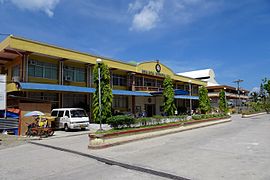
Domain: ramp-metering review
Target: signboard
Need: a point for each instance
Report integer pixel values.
(152, 73)
(3, 92)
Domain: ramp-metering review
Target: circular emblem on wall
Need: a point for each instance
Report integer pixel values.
(149, 100)
(158, 67)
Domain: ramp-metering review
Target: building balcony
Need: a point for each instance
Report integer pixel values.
(147, 88)
(228, 95)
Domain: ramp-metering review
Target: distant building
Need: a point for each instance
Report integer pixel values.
(232, 94)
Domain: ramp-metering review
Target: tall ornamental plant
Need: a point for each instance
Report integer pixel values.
(168, 94)
(266, 99)
(223, 102)
(106, 93)
(204, 101)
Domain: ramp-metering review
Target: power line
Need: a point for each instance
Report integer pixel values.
(238, 89)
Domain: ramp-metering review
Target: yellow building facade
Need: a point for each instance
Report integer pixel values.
(64, 77)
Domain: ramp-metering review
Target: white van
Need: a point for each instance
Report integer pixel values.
(70, 118)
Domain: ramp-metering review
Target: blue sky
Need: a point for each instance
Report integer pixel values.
(232, 37)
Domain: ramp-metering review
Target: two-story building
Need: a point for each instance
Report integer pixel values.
(64, 77)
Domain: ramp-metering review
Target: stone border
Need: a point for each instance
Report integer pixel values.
(252, 115)
(98, 141)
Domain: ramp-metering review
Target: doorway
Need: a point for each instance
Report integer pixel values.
(150, 110)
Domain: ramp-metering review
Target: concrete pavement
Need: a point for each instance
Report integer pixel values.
(236, 150)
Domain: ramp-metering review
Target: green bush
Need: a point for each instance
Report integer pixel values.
(207, 116)
(120, 121)
(196, 117)
(143, 120)
(158, 118)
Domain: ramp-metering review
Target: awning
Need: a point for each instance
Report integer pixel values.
(55, 87)
(130, 93)
(186, 97)
(176, 92)
(65, 88)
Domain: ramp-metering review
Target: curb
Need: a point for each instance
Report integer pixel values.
(252, 115)
(159, 133)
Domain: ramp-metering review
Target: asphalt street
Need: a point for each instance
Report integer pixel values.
(236, 150)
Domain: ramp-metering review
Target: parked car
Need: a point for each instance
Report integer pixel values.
(70, 118)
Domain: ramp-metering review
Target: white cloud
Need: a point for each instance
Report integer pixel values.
(137, 5)
(147, 16)
(255, 89)
(46, 6)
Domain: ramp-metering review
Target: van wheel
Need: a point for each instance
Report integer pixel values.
(66, 128)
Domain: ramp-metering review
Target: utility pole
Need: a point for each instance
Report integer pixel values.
(238, 89)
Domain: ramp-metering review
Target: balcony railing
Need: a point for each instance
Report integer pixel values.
(147, 88)
(231, 95)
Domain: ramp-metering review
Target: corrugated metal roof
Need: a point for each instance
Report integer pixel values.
(65, 88)
(130, 93)
(186, 97)
(55, 87)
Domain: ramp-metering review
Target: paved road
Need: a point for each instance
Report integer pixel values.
(236, 150)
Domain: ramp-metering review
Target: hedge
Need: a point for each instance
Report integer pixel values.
(207, 116)
(120, 121)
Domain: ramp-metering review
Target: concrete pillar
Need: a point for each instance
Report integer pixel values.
(61, 72)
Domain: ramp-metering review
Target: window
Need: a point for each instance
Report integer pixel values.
(149, 82)
(182, 87)
(52, 97)
(54, 113)
(42, 69)
(75, 74)
(60, 114)
(119, 80)
(195, 90)
(67, 113)
(159, 83)
(74, 100)
(120, 102)
(78, 113)
(16, 71)
(138, 81)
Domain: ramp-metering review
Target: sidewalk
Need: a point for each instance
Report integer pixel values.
(91, 129)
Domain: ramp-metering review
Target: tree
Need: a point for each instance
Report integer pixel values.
(266, 99)
(223, 102)
(262, 91)
(266, 85)
(106, 93)
(255, 96)
(168, 94)
(204, 101)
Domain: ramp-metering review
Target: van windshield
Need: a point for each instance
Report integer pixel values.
(78, 113)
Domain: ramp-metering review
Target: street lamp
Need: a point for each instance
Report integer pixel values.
(238, 90)
(99, 61)
(225, 97)
(190, 100)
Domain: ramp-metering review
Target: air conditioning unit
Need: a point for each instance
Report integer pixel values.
(67, 78)
(15, 79)
(32, 62)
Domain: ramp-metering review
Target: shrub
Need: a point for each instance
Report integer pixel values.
(143, 120)
(196, 117)
(120, 121)
(208, 116)
(158, 118)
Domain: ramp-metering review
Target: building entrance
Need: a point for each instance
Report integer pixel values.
(150, 110)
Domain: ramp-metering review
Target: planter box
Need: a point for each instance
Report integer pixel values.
(252, 115)
(108, 139)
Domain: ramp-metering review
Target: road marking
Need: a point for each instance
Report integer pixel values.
(111, 162)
